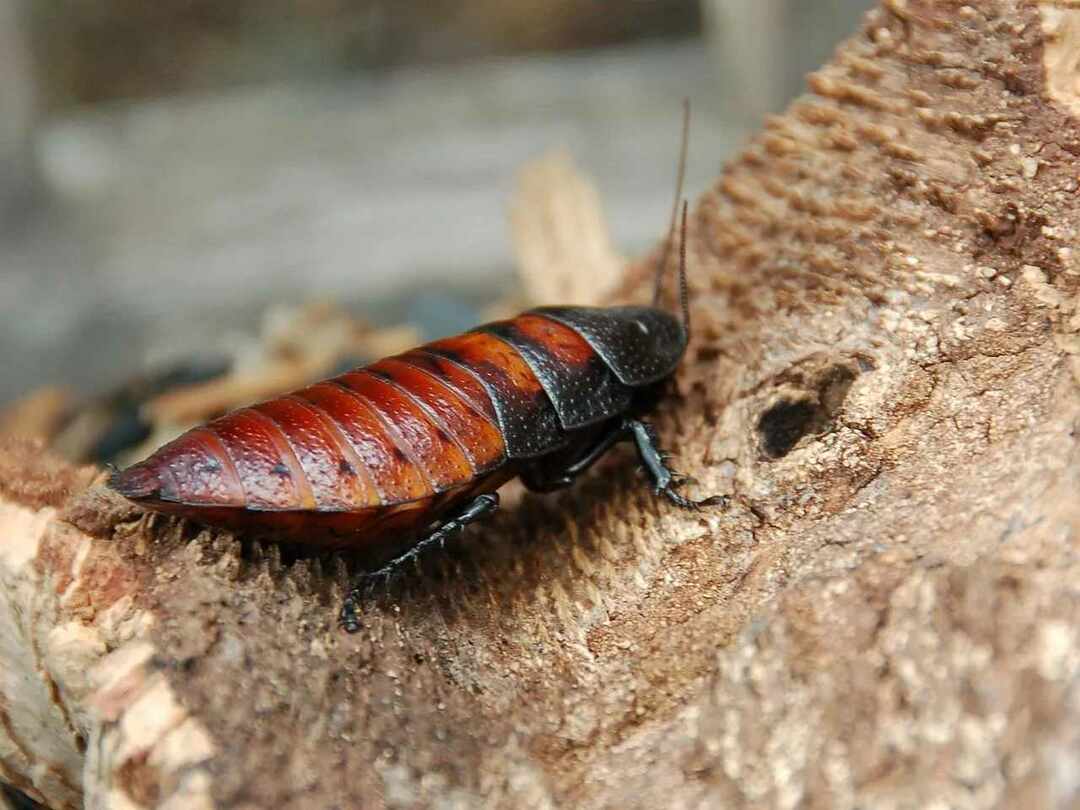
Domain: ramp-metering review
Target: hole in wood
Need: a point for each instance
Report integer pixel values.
(803, 413)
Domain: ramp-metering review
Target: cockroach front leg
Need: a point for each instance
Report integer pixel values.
(652, 457)
(664, 478)
(474, 510)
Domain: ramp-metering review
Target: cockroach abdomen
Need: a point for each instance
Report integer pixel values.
(525, 414)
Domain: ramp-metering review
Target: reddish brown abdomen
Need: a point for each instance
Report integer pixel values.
(422, 428)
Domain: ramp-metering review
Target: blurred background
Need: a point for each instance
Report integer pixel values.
(194, 191)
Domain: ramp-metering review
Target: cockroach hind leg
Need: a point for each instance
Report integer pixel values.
(360, 593)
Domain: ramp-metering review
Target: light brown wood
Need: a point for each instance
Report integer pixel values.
(886, 281)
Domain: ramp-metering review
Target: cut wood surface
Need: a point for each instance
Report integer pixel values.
(883, 376)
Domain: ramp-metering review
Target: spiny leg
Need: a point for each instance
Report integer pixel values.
(664, 478)
(479, 507)
(652, 457)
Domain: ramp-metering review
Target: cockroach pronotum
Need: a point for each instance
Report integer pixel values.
(404, 453)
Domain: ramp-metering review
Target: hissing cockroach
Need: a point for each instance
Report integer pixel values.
(405, 452)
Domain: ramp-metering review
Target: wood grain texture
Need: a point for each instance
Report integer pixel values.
(885, 617)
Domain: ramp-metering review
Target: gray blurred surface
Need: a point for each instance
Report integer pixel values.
(171, 224)
(181, 220)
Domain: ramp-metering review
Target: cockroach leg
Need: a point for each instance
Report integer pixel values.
(665, 480)
(480, 507)
(536, 479)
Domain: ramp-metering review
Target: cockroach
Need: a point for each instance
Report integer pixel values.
(404, 453)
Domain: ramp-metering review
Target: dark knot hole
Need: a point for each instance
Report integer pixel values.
(782, 425)
(805, 412)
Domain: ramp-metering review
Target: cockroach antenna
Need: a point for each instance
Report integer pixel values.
(684, 291)
(679, 177)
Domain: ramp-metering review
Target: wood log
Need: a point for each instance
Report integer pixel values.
(883, 376)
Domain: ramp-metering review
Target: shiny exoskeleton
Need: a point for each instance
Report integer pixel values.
(405, 452)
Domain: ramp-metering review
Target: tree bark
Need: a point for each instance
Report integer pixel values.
(884, 377)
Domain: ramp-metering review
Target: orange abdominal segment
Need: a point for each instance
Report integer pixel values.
(338, 480)
(394, 477)
(524, 413)
(493, 360)
(420, 440)
(477, 435)
(268, 470)
(460, 380)
(562, 343)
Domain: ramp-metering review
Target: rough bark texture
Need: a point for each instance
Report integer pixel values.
(884, 376)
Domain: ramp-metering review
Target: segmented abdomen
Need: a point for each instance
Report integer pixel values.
(403, 430)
